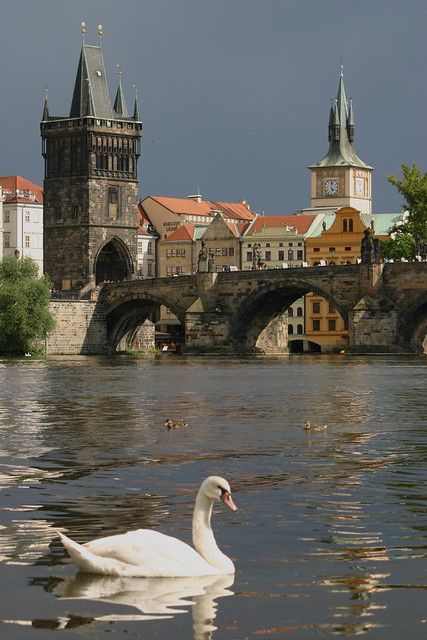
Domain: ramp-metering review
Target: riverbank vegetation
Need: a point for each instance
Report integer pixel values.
(24, 307)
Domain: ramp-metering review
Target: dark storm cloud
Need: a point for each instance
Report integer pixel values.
(234, 94)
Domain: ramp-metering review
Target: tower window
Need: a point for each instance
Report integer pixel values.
(113, 203)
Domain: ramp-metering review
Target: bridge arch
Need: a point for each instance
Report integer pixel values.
(113, 262)
(268, 301)
(412, 325)
(127, 314)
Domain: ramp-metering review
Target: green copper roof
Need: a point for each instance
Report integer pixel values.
(341, 134)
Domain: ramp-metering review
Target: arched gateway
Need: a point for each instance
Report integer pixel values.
(113, 262)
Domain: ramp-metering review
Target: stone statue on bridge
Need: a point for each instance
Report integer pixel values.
(211, 261)
(370, 249)
(202, 263)
(256, 257)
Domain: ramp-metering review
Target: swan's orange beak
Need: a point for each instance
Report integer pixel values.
(228, 500)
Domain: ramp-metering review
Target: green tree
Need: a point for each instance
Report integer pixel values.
(24, 313)
(413, 187)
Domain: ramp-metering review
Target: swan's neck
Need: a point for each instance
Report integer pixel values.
(203, 537)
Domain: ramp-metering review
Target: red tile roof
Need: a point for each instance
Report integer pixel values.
(144, 222)
(184, 232)
(191, 206)
(301, 222)
(17, 189)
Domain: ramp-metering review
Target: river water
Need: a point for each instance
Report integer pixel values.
(330, 539)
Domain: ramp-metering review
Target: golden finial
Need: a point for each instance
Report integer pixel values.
(100, 33)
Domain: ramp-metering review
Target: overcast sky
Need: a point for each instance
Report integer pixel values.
(234, 94)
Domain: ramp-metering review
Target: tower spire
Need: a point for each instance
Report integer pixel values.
(341, 131)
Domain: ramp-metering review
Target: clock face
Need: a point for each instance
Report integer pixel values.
(331, 187)
(360, 186)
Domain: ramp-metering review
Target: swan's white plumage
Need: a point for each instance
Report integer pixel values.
(148, 553)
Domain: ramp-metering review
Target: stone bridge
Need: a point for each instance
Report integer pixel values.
(384, 306)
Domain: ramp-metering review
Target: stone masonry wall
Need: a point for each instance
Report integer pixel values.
(80, 328)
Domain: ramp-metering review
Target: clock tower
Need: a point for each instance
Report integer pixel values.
(341, 178)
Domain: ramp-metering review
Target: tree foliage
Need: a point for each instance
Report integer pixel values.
(413, 187)
(24, 314)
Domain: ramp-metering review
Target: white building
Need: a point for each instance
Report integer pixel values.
(22, 218)
(146, 246)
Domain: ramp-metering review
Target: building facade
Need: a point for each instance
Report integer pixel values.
(91, 182)
(146, 246)
(22, 218)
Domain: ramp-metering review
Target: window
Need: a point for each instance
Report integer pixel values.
(290, 312)
(6, 240)
(27, 216)
(299, 311)
(300, 255)
(316, 325)
(249, 256)
(281, 255)
(224, 251)
(6, 217)
(300, 244)
(344, 224)
(347, 248)
(268, 255)
(149, 269)
(290, 244)
(140, 246)
(168, 271)
(331, 308)
(332, 249)
(27, 241)
(316, 249)
(113, 203)
(300, 329)
(290, 329)
(280, 244)
(149, 249)
(350, 225)
(181, 252)
(231, 251)
(168, 253)
(290, 254)
(316, 307)
(332, 325)
(218, 251)
(267, 244)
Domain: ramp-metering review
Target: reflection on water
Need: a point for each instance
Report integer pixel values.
(330, 537)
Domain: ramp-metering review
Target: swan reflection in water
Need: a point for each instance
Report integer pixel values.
(154, 598)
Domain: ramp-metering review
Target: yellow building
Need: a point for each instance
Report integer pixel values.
(338, 243)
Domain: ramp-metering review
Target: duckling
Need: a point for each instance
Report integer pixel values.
(310, 426)
(175, 424)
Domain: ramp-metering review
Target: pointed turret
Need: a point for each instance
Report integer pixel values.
(336, 123)
(45, 115)
(120, 106)
(341, 133)
(350, 122)
(135, 107)
(331, 123)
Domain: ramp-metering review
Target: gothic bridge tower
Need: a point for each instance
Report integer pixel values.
(341, 178)
(91, 181)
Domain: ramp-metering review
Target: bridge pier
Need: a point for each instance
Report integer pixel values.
(373, 326)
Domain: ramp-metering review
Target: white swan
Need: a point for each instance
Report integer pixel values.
(147, 553)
